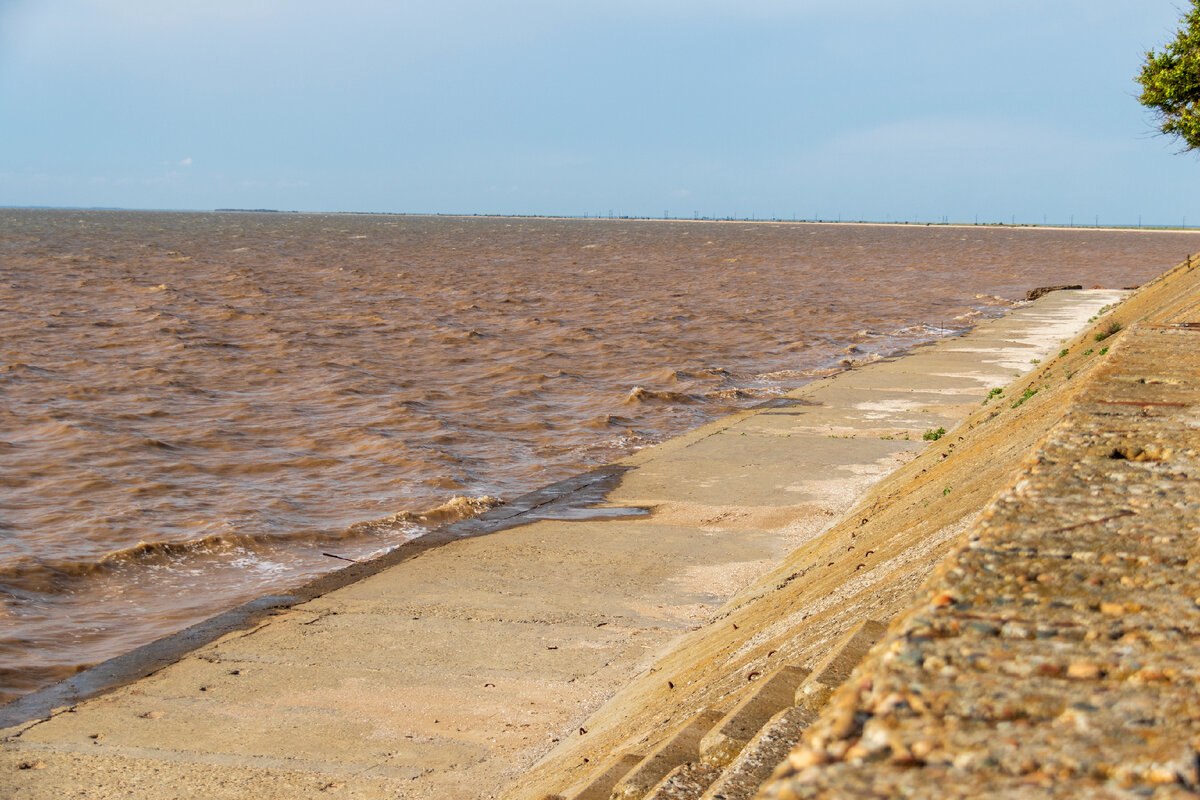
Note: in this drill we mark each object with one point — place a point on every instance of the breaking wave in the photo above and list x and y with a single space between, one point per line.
639 394
49 576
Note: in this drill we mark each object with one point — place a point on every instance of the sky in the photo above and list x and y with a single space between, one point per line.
924 110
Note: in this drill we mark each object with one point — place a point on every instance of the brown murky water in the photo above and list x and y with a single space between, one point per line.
194 407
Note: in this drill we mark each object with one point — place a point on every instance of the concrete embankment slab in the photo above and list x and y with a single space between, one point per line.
455 670
1057 652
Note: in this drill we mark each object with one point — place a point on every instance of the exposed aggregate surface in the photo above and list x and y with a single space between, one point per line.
1057 651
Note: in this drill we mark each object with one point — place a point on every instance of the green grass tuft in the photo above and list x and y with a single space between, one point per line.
1027 394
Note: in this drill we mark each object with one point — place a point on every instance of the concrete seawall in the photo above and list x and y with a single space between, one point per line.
1051 653
520 662
1056 652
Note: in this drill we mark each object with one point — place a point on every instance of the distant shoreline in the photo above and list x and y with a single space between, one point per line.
736 220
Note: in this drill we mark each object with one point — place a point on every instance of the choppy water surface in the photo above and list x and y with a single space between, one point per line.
194 407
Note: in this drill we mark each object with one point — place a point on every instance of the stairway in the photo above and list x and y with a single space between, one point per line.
715 756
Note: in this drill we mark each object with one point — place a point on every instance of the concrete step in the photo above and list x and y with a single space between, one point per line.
769 696
728 756
682 747
600 787
836 667
756 762
753 743
685 782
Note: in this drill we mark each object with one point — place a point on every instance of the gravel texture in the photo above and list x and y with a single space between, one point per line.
1056 653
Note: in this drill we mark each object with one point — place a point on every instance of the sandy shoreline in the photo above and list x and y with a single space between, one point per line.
460 663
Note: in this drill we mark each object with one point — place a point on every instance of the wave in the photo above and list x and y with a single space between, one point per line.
642 395
995 300
927 330
23 368
456 508
609 421
740 393
49 576
668 375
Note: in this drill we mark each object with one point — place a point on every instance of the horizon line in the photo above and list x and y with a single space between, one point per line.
944 223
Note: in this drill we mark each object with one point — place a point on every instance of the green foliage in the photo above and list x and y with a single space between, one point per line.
932 436
1171 82
1112 328
1062 353
1025 396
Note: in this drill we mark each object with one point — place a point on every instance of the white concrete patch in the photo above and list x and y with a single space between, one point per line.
889 406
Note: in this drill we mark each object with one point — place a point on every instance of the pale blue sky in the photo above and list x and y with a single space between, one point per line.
873 109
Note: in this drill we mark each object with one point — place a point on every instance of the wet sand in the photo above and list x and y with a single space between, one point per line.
453 671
